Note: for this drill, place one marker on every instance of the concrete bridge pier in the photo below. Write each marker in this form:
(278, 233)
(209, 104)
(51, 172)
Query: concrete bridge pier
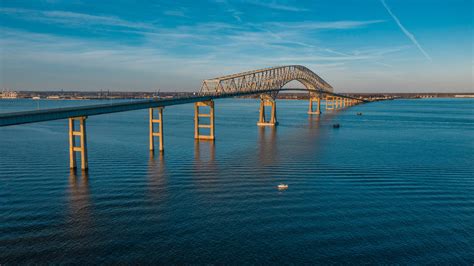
(329, 102)
(156, 120)
(316, 99)
(270, 102)
(197, 120)
(73, 133)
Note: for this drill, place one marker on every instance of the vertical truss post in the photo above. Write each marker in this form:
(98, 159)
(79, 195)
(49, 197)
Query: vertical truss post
(156, 120)
(316, 99)
(270, 102)
(82, 141)
(198, 125)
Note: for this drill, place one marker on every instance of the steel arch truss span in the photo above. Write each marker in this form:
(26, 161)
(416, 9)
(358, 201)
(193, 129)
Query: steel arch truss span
(263, 80)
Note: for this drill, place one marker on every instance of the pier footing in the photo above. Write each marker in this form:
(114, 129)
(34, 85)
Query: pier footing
(270, 102)
(311, 110)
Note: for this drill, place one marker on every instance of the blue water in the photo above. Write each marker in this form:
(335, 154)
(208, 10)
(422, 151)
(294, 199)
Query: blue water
(395, 185)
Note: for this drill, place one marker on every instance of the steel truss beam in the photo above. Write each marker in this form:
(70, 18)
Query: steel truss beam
(263, 80)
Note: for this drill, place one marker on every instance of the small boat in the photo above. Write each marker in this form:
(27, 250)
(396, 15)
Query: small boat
(336, 125)
(359, 113)
(282, 186)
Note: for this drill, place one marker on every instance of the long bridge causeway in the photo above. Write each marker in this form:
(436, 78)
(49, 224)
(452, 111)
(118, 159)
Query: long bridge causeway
(264, 82)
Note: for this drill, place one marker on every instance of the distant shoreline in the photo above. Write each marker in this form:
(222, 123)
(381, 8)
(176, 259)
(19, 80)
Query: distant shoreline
(279, 97)
(118, 95)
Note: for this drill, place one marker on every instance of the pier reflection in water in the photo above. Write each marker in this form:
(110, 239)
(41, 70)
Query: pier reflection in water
(267, 151)
(204, 152)
(157, 176)
(79, 200)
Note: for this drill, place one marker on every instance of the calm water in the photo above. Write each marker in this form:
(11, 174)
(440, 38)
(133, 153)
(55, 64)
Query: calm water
(395, 185)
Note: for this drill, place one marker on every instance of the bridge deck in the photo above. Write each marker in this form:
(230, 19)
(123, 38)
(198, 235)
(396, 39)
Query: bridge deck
(16, 118)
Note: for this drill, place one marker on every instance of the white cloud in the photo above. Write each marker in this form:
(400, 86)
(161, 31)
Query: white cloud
(73, 19)
(318, 25)
(235, 13)
(175, 13)
(278, 6)
(188, 53)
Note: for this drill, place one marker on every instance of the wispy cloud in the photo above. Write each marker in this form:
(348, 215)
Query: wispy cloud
(194, 50)
(71, 18)
(318, 25)
(175, 13)
(405, 31)
(226, 52)
(278, 6)
(235, 13)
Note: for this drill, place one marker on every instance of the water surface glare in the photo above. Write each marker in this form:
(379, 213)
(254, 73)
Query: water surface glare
(394, 185)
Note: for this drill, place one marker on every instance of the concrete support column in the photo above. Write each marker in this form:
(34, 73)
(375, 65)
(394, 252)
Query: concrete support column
(318, 106)
(270, 102)
(197, 120)
(329, 102)
(73, 133)
(156, 120)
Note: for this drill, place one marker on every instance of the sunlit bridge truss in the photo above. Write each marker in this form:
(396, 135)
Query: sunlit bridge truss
(273, 78)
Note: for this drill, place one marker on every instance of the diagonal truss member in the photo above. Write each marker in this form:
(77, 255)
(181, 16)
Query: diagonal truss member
(263, 80)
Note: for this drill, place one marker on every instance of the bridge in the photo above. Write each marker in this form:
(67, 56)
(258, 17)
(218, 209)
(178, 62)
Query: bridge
(266, 82)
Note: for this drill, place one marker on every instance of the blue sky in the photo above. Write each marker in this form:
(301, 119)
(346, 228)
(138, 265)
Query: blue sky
(355, 45)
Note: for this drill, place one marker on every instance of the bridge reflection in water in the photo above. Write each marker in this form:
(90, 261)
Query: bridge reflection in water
(264, 82)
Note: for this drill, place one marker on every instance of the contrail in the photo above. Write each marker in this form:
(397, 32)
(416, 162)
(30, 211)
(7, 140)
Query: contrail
(407, 33)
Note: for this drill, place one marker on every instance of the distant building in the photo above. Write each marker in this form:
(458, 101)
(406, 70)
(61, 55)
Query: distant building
(464, 96)
(53, 97)
(9, 95)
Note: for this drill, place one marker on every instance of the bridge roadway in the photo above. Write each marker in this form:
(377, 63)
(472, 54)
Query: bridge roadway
(266, 82)
(17, 118)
